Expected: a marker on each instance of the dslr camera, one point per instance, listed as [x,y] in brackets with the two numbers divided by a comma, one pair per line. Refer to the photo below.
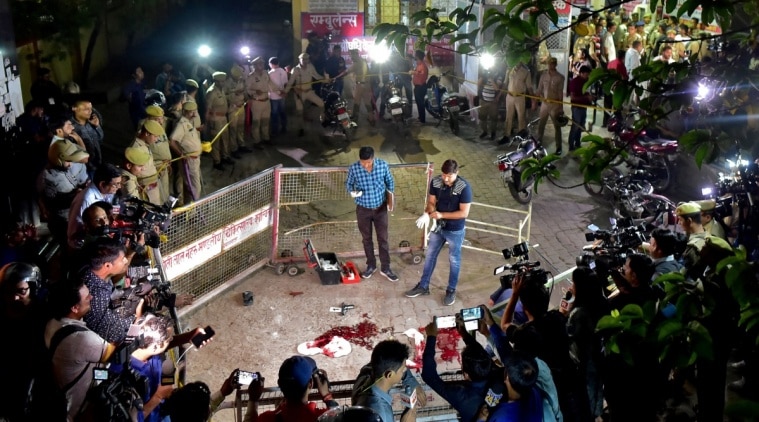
[529,269]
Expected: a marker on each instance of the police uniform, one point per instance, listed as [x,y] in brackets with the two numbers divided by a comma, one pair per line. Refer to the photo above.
[148,180]
[363,92]
[257,87]
[300,80]
[216,119]
[713,227]
[129,185]
[234,87]
[519,82]
[187,139]
[551,86]
[692,265]
[161,155]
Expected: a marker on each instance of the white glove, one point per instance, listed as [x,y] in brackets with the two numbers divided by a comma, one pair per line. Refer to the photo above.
[356,193]
[423,221]
[434,225]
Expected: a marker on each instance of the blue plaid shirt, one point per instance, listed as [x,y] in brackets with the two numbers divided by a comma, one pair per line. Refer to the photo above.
[373,185]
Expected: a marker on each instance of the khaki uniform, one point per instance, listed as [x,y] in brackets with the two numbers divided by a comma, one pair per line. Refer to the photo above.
[162,158]
[518,82]
[363,92]
[300,76]
[189,183]
[551,86]
[148,180]
[257,87]
[130,187]
[235,90]
[715,229]
[217,109]
[630,38]
[692,254]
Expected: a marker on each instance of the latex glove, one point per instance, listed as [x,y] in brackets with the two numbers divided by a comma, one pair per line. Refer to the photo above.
[356,193]
[423,221]
[434,225]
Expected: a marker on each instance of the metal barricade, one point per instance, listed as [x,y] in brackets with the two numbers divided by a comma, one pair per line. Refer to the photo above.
[489,226]
[436,409]
[312,203]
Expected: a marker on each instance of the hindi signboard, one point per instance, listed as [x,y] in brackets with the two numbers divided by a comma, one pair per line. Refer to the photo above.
[340,25]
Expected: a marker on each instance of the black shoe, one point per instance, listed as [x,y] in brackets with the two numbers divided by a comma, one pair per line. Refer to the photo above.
[492,136]
[301,132]
[389,275]
[483,134]
[368,273]
[237,155]
[559,152]
[244,150]
[504,140]
[450,297]
[268,143]
[258,146]
[228,161]
[418,290]
[219,166]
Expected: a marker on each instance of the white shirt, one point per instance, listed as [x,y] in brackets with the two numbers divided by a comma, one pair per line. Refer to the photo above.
[279,77]
[609,47]
[632,61]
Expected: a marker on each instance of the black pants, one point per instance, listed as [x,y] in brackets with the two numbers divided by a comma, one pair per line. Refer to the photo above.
[420,91]
[377,218]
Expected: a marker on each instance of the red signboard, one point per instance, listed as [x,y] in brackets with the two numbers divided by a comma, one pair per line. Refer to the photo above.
[340,25]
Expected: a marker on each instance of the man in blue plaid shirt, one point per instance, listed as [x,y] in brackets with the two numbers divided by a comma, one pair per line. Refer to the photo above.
[368,182]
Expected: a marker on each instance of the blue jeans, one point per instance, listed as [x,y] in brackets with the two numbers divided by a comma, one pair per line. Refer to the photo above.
[436,243]
[579,114]
[278,116]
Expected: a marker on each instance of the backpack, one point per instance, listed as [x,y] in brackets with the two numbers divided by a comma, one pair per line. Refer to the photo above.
[46,400]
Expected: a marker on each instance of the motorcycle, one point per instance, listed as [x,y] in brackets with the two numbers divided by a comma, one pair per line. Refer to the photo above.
[444,106]
[396,105]
[508,164]
[336,112]
[656,156]
[632,196]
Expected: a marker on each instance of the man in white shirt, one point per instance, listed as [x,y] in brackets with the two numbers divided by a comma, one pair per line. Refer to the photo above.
[665,55]
[105,184]
[278,116]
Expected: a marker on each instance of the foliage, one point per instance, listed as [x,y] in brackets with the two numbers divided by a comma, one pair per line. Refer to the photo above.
[667,91]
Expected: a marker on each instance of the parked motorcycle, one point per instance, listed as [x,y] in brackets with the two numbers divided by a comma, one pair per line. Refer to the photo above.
[656,156]
[632,196]
[336,112]
[396,105]
[444,106]
[508,164]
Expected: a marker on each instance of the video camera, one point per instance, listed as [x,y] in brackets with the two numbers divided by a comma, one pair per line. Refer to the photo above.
[133,216]
[529,269]
[614,247]
[145,280]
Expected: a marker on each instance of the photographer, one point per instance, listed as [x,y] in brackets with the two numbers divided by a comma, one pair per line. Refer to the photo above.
[476,367]
[661,248]
[105,184]
[297,376]
[633,281]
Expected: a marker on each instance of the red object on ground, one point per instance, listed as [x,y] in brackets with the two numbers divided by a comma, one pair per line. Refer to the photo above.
[293,294]
[360,334]
[350,273]
[447,342]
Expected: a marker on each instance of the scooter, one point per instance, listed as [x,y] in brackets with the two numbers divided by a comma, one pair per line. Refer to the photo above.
[336,112]
[508,164]
[444,106]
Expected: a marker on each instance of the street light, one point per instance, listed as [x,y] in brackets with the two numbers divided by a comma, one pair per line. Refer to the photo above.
[245,50]
[379,53]
[204,50]
[487,61]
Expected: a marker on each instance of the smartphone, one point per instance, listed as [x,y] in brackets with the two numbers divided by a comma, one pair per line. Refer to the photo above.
[245,377]
[469,314]
[445,321]
[200,338]
[99,374]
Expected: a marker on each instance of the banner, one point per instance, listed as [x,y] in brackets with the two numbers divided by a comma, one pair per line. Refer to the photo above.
[246,227]
[339,25]
[193,255]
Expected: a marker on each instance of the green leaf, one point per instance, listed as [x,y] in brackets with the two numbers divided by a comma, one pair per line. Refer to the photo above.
[670,6]
[632,310]
[668,329]
[621,93]
[608,322]
[701,152]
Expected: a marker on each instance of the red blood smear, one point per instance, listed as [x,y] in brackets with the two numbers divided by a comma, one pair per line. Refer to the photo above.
[447,342]
[361,334]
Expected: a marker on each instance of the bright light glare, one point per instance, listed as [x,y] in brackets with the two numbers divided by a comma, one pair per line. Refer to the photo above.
[738,163]
[487,61]
[703,91]
[245,50]
[379,53]
[204,50]
[706,191]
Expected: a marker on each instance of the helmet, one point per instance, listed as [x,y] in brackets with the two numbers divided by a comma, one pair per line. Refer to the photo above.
[19,272]
[155,97]
[350,414]
[562,119]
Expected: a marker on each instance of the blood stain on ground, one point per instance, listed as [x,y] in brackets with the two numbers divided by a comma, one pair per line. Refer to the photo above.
[360,334]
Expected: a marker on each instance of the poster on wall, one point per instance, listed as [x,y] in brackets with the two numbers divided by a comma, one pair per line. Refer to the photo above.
[339,25]
[332,6]
[11,100]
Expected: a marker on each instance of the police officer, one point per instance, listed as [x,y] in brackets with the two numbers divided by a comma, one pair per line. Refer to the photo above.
[216,119]
[192,95]
[161,153]
[134,164]
[148,180]
[363,92]
[711,226]
[301,80]
[234,87]
[185,142]
[257,88]
[550,87]
[689,219]
[518,83]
